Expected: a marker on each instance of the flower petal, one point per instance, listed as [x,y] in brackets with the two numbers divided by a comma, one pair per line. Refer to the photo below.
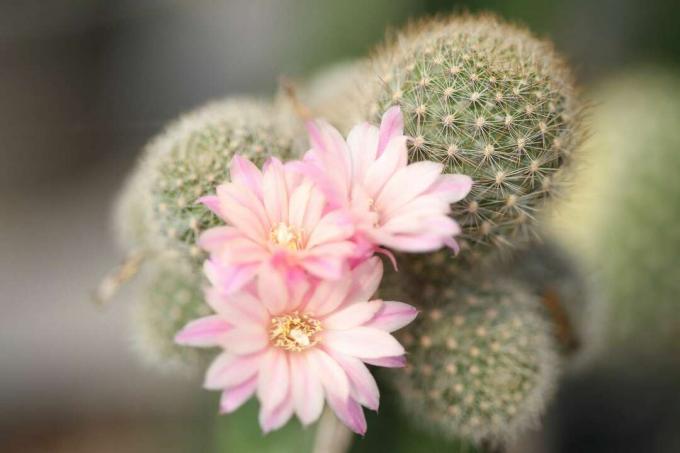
[203,332]
[366,278]
[273,385]
[393,316]
[332,376]
[275,192]
[234,397]
[362,141]
[353,315]
[362,342]
[350,413]
[211,202]
[229,370]
[308,395]
[244,172]
[328,296]
[398,361]
[364,389]
[240,308]
[333,227]
[392,125]
[451,188]
[246,339]
[272,289]
[229,279]
[272,418]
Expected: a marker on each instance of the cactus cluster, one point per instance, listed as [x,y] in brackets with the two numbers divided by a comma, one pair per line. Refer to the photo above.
[489,100]
[484,98]
[482,361]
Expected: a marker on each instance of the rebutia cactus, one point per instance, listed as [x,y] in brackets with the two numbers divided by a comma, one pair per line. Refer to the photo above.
[488,100]
[624,216]
[172,297]
[157,209]
[482,97]
[482,361]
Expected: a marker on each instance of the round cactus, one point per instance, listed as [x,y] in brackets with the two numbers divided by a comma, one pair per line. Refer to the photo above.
[157,209]
[489,100]
[172,297]
[482,362]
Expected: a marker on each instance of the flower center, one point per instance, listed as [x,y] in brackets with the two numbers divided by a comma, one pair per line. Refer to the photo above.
[294,332]
[286,236]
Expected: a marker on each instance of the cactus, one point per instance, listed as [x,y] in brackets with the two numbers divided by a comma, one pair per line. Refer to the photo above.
[157,209]
[624,217]
[172,297]
[482,362]
[489,100]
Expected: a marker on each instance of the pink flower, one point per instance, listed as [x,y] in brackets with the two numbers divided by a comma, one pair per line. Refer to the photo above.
[294,346]
[273,215]
[394,204]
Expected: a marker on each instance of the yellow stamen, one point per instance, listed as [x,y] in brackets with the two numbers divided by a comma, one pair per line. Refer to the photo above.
[294,332]
[286,236]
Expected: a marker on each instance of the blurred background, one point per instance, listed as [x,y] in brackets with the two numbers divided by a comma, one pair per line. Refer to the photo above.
[85,83]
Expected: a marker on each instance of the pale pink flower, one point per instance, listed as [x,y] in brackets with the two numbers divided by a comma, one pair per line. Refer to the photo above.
[294,346]
[274,214]
[396,205]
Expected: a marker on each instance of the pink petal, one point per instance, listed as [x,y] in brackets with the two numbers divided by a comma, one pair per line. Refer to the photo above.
[211,202]
[272,289]
[246,339]
[331,155]
[392,125]
[203,332]
[229,279]
[406,184]
[365,278]
[229,370]
[363,146]
[362,342]
[350,413]
[275,192]
[239,308]
[330,373]
[244,172]
[451,188]
[272,418]
[308,395]
[234,397]
[363,386]
[398,361]
[299,200]
[324,267]
[394,158]
[273,385]
[353,315]
[214,238]
[242,209]
[327,296]
[393,316]
[333,227]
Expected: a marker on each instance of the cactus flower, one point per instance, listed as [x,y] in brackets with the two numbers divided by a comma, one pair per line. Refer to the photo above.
[295,346]
[273,215]
[395,205]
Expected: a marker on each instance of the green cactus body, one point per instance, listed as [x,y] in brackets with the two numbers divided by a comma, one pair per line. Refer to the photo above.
[482,362]
[173,296]
[157,209]
[489,100]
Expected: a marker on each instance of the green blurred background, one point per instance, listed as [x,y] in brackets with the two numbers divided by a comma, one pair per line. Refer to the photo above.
[85,83]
